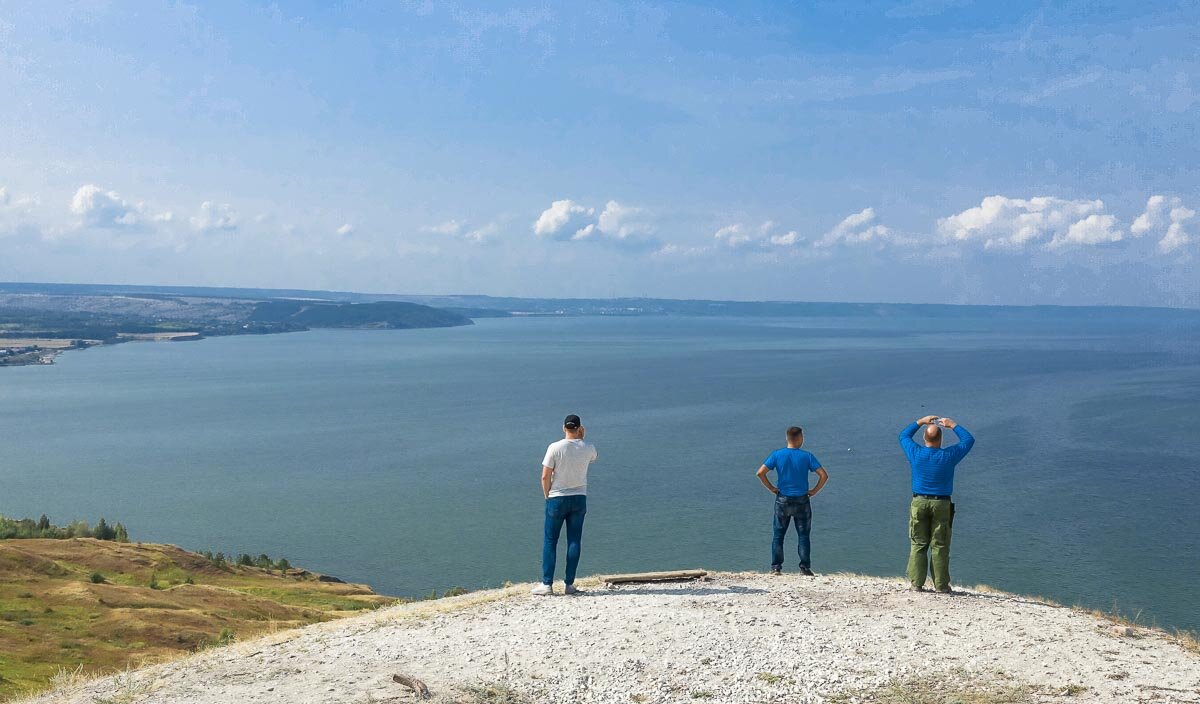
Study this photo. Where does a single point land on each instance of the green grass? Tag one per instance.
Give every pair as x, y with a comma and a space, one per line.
55, 617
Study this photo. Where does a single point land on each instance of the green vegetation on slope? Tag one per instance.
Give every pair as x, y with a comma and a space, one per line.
105, 605
27, 528
387, 314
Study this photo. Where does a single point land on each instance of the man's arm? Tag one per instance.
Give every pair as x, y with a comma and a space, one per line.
762, 477
547, 479
906, 434
965, 439
822, 477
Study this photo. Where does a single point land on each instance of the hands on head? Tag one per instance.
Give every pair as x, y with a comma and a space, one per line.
945, 422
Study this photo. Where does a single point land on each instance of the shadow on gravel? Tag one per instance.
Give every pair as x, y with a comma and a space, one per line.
702, 591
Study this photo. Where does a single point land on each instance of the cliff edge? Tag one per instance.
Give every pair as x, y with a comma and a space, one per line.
731, 638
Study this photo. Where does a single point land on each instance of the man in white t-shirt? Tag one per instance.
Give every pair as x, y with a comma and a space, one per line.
564, 484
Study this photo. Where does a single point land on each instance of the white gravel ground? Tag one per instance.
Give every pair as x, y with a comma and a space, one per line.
733, 638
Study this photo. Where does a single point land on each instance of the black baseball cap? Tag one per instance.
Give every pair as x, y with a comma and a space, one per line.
572, 422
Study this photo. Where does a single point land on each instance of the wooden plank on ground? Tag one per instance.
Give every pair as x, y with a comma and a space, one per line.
677, 575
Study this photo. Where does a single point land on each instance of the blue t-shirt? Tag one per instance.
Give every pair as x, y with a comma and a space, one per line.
933, 467
792, 466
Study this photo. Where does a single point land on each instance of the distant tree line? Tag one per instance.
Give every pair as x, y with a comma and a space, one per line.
13, 528
263, 561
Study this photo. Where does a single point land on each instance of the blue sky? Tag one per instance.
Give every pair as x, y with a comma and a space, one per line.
927, 150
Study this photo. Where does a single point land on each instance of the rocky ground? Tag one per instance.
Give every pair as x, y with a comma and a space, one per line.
732, 638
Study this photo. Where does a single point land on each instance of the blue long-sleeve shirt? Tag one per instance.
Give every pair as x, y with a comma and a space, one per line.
933, 467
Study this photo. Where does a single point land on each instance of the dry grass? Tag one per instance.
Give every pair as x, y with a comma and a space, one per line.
58, 627
495, 693
1189, 641
941, 690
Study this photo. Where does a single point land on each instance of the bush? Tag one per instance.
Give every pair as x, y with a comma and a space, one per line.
97, 578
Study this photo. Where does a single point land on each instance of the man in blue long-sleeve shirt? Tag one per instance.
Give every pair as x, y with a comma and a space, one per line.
931, 514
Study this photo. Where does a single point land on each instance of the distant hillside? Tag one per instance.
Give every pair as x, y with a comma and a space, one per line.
90, 603
388, 314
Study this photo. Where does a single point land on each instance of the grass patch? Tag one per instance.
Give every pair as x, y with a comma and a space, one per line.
495, 693
1188, 641
941, 690
88, 606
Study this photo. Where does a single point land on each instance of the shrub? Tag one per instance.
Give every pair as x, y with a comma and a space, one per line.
96, 578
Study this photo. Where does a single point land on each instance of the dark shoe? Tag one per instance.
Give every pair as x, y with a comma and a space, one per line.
946, 590
776, 571
807, 572
915, 588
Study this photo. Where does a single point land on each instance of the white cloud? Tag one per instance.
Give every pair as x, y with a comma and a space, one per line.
1094, 229
564, 219
674, 250
450, 227
1166, 215
622, 221
459, 229
1151, 217
479, 235
1015, 223
4, 197
346, 229
214, 216
100, 208
859, 228
586, 232
1176, 237
733, 236
788, 239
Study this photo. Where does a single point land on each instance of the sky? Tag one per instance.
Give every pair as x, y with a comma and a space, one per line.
912, 151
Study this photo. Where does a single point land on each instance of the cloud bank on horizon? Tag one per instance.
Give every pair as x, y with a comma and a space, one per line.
929, 151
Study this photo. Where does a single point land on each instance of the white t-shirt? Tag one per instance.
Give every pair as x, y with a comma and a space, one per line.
569, 459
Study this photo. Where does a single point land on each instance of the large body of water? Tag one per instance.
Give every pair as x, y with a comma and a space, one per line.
409, 460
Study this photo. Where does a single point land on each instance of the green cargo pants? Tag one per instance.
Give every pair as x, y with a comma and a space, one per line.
929, 525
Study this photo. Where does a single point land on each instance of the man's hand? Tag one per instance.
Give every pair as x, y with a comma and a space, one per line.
926, 420
822, 477
762, 477
949, 423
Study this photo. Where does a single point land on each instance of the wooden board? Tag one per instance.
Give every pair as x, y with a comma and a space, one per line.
653, 577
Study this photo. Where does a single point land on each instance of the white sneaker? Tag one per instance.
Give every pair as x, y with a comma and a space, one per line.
542, 590
570, 589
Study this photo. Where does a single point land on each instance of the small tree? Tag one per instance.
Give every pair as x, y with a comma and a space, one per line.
43, 524
282, 564
102, 531
120, 534
245, 560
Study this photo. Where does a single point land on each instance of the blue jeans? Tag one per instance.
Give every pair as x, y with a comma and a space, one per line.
791, 509
559, 510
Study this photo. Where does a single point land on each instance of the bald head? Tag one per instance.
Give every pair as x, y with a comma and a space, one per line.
933, 436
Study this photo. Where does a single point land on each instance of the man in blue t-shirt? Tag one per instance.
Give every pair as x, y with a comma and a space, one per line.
931, 513
792, 467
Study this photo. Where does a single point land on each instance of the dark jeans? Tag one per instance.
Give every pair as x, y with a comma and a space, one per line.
791, 509
559, 510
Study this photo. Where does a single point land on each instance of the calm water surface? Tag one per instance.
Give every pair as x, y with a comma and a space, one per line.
409, 460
